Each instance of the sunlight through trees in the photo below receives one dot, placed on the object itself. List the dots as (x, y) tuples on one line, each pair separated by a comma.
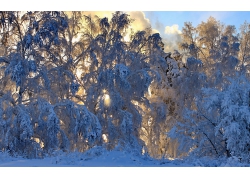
[(71, 82)]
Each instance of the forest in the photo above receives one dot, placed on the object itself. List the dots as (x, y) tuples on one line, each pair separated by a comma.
[(71, 82)]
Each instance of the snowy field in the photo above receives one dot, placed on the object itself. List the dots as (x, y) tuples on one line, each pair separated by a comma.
[(96, 157), (99, 157), (104, 164)]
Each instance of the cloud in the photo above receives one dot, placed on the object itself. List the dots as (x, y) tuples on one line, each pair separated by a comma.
[(140, 21), (174, 29), (171, 37), (170, 34)]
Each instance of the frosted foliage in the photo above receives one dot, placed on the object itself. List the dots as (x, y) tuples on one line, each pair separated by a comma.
[(193, 64), (127, 123), (161, 111), (121, 78), (44, 75), (87, 125), (121, 74), (47, 34), (5, 121), (27, 40), (19, 69), (65, 125), (52, 130), (173, 68), (32, 66), (48, 124), (106, 78), (24, 121), (232, 61), (74, 87), (176, 55), (94, 134), (218, 75), (122, 71), (18, 137), (220, 124), (235, 114), (16, 70), (145, 79)]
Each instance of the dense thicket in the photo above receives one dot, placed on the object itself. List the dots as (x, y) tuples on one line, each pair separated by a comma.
[(71, 82), (214, 91)]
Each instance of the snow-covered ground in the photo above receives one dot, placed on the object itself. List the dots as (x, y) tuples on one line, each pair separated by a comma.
[(111, 161), (96, 157), (100, 157)]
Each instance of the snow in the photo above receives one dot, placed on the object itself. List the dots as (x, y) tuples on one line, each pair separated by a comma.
[(99, 163), (21, 162), (99, 157)]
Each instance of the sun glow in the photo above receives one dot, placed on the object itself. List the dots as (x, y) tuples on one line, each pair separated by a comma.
[(107, 100), (127, 37), (87, 62), (135, 102), (149, 91), (105, 138), (38, 140)]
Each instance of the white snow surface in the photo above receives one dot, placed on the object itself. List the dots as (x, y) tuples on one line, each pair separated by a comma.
[(99, 163), (100, 157)]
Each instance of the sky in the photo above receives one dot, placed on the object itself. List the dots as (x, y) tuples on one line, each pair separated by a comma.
[(168, 18)]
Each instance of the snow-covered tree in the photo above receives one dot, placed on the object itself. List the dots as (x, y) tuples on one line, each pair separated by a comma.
[(234, 118), (16, 129), (218, 123), (212, 64), (244, 46), (116, 76)]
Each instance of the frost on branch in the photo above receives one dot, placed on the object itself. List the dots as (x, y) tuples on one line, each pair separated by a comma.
[(87, 126)]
